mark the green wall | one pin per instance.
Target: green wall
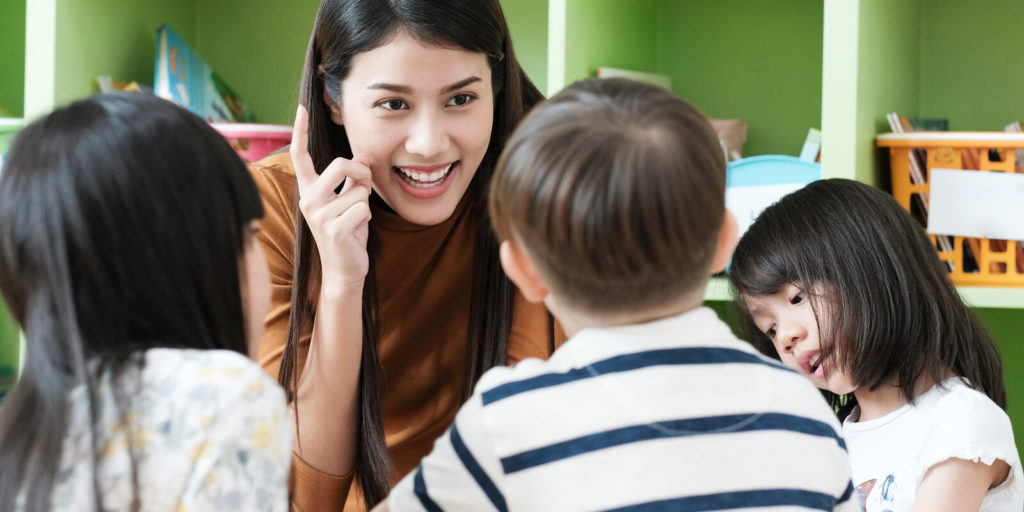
(971, 68)
(610, 33)
(12, 57)
(756, 60)
(888, 77)
(260, 52)
(1006, 327)
(89, 44)
(528, 22)
(256, 46)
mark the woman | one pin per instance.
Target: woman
(385, 274)
(128, 259)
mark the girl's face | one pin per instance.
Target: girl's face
(422, 116)
(255, 281)
(788, 319)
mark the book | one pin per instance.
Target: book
(183, 77)
(811, 151)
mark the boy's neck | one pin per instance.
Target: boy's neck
(574, 320)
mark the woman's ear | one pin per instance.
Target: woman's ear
(334, 108)
(726, 243)
(520, 269)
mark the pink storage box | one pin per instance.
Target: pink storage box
(254, 141)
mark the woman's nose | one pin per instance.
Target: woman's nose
(428, 137)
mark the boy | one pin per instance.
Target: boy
(609, 201)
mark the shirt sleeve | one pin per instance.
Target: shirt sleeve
(967, 425)
(461, 473)
(243, 462)
(313, 490)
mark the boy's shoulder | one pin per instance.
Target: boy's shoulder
(692, 354)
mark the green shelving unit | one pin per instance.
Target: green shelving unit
(782, 65)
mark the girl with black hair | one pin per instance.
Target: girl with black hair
(388, 297)
(844, 286)
(127, 257)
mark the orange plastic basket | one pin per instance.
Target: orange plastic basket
(999, 262)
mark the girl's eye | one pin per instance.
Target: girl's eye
(460, 99)
(393, 104)
(797, 299)
(770, 332)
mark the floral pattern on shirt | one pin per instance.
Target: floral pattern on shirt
(208, 428)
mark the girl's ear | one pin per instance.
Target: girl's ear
(520, 269)
(726, 243)
(334, 107)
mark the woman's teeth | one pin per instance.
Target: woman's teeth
(814, 362)
(417, 178)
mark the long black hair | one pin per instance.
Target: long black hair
(122, 221)
(343, 29)
(886, 308)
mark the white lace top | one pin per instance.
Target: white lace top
(209, 430)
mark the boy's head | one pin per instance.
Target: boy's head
(613, 191)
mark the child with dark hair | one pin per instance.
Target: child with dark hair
(609, 201)
(127, 257)
(844, 286)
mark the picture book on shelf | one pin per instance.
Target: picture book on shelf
(182, 76)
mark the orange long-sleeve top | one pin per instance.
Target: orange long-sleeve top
(424, 278)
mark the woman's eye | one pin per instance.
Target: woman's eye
(797, 299)
(393, 104)
(459, 100)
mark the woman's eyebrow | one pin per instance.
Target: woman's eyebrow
(460, 84)
(404, 89)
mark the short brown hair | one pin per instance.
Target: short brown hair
(616, 189)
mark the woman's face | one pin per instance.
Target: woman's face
(421, 115)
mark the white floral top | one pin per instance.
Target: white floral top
(209, 429)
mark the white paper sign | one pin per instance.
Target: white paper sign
(746, 203)
(976, 204)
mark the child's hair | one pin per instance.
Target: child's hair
(886, 308)
(122, 222)
(616, 189)
(344, 29)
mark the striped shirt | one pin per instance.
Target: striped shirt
(676, 414)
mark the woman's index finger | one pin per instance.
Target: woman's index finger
(305, 173)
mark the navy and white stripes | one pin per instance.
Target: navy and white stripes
(673, 415)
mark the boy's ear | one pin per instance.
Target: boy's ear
(520, 269)
(726, 243)
(335, 109)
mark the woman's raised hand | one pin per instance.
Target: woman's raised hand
(339, 221)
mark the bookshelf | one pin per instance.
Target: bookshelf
(783, 65)
(257, 46)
